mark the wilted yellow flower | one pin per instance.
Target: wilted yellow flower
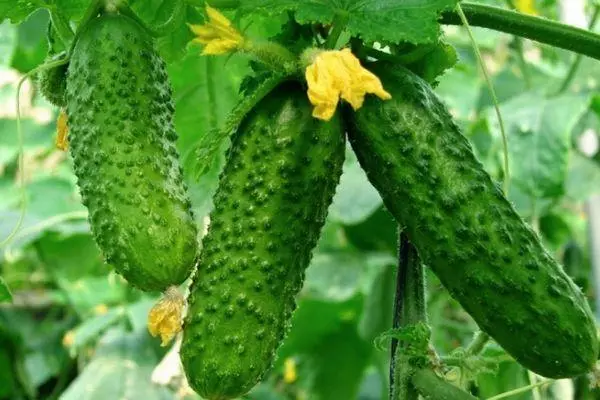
(68, 339)
(289, 371)
(338, 73)
(100, 309)
(526, 6)
(165, 317)
(62, 131)
(217, 35)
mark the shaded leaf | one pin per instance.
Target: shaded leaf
(88, 331)
(339, 276)
(121, 368)
(539, 134)
(5, 294)
(583, 179)
(16, 10)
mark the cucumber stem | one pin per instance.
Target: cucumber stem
(163, 29)
(477, 345)
(337, 27)
(409, 309)
(535, 28)
(520, 53)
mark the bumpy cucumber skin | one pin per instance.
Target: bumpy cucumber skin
(467, 232)
(53, 81)
(122, 141)
(270, 206)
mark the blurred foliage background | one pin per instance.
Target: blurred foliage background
(75, 330)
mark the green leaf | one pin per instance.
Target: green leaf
(31, 46)
(583, 179)
(205, 90)
(555, 230)
(355, 198)
(441, 58)
(539, 138)
(70, 257)
(88, 331)
(36, 137)
(121, 368)
(413, 21)
(5, 294)
(216, 136)
(315, 319)
(379, 305)
(338, 364)
(16, 11)
(378, 232)
(339, 276)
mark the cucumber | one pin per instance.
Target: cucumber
(466, 231)
(52, 82)
(270, 205)
(122, 141)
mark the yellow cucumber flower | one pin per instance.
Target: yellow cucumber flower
(289, 371)
(526, 7)
(165, 317)
(338, 74)
(62, 131)
(217, 35)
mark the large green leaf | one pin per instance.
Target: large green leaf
(16, 10)
(539, 134)
(31, 46)
(120, 369)
(338, 363)
(205, 91)
(412, 21)
(88, 331)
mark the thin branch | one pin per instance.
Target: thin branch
(535, 28)
(577, 62)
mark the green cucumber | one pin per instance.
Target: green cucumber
(467, 232)
(270, 206)
(53, 81)
(122, 141)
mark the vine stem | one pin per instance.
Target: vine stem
(479, 341)
(20, 147)
(490, 85)
(521, 389)
(409, 309)
(528, 26)
(337, 27)
(520, 52)
(575, 66)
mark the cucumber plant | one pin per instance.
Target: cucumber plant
(323, 77)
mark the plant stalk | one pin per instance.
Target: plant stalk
(535, 28)
(577, 62)
(409, 309)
